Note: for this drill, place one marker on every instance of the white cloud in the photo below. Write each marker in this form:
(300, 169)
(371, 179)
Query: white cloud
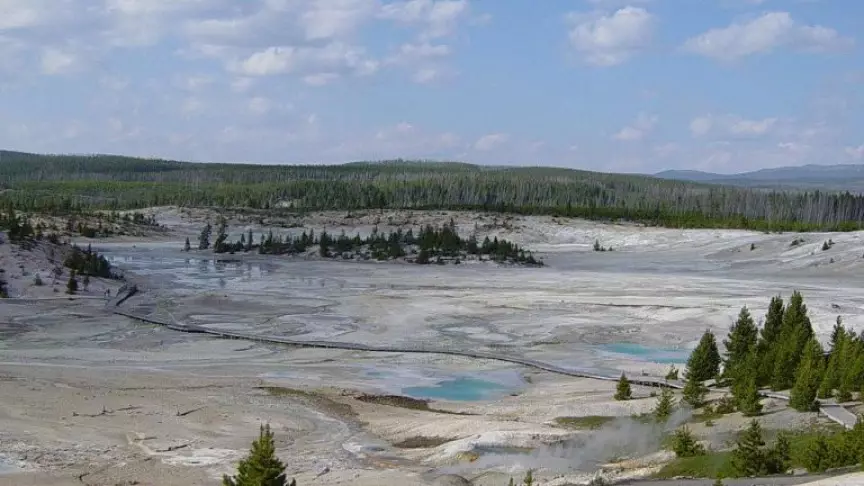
(638, 130)
(611, 39)
(763, 35)
(856, 153)
(259, 105)
(490, 141)
(731, 125)
(57, 61)
(437, 18)
(331, 58)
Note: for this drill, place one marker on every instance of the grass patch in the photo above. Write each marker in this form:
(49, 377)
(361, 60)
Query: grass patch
(590, 422)
(711, 465)
(321, 403)
(420, 442)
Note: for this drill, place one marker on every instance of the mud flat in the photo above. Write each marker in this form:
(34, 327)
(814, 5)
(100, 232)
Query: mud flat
(92, 398)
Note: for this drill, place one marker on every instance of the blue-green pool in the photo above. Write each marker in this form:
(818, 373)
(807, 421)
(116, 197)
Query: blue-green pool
(656, 355)
(459, 389)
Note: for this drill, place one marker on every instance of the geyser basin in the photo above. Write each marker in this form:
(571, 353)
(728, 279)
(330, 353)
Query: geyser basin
(644, 353)
(460, 390)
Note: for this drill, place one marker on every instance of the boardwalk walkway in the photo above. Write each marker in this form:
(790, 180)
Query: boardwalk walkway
(833, 411)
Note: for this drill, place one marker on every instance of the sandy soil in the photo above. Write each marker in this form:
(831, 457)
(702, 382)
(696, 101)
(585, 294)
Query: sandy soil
(90, 398)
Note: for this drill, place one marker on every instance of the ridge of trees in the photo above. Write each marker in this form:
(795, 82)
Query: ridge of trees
(68, 183)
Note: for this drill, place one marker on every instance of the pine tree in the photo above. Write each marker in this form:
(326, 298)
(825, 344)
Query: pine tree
(665, 405)
(694, 392)
(187, 246)
(623, 392)
(261, 467)
(685, 445)
(744, 389)
(807, 378)
(72, 284)
(837, 363)
(529, 478)
(768, 338)
(748, 458)
(743, 336)
(795, 333)
(672, 374)
(204, 237)
(779, 457)
(704, 361)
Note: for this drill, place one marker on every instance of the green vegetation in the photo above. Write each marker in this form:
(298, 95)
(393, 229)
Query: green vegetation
(685, 445)
(261, 467)
(622, 391)
(72, 284)
(64, 184)
(808, 376)
(704, 361)
(590, 422)
(664, 406)
(88, 263)
(672, 374)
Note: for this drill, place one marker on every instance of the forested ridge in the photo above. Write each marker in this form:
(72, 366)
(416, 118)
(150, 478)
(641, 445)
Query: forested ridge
(66, 183)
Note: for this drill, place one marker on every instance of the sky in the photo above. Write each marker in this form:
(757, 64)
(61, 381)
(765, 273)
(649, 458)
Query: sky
(620, 86)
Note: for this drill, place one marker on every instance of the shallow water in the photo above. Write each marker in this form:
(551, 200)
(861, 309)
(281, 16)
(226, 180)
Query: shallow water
(645, 353)
(459, 390)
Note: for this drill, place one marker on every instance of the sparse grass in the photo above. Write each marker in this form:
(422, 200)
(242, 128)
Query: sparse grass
(590, 422)
(404, 402)
(420, 442)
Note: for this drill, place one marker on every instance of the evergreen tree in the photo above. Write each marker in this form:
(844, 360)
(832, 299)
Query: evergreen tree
(779, 458)
(4, 289)
(743, 336)
(204, 237)
(795, 333)
(694, 391)
(768, 338)
(837, 364)
(818, 455)
(672, 374)
(623, 392)
(250, 241)
(261, 467)
(807, 378)
(221, 236)
(664, 406)
(748, 458)
(744, 389)
(704, 361)
(685, 445)
(836, 334)
(72, 284)
(187, 246)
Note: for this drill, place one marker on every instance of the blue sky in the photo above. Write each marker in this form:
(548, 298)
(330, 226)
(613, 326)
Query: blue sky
(626, 86)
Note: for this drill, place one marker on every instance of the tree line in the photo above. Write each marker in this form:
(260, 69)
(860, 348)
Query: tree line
(65, 184)
(431, 244)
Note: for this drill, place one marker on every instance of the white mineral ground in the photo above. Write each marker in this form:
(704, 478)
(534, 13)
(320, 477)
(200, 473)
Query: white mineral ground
(87, 397)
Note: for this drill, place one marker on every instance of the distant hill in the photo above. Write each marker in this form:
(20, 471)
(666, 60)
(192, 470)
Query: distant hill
(73, 184)
(848, 177)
